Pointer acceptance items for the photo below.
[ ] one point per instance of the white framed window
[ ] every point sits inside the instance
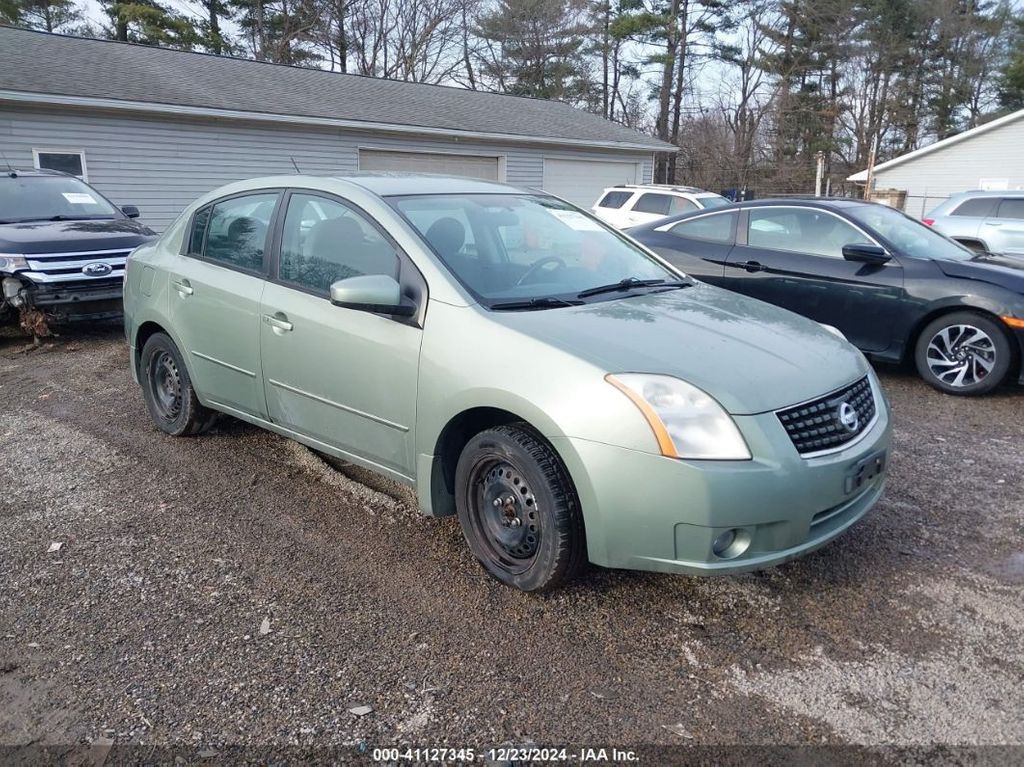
(70, 161)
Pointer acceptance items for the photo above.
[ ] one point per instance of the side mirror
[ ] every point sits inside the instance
(868, 254)
(375, 293)
(130, 210)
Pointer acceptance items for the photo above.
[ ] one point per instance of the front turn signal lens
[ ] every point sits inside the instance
(1014, 322)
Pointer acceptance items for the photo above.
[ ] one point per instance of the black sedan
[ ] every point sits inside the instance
(896, 289)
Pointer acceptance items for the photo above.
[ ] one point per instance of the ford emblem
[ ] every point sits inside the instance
(97, 269)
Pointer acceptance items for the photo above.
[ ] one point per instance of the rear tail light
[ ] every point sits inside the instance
(927, 221)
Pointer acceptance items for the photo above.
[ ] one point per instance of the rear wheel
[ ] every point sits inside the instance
(518, 509)
(963, 353)
(167, 389)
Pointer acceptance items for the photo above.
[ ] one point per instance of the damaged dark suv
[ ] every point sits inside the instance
(63, 248)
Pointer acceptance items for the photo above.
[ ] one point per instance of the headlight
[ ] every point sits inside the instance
(11, 263)
(686, 422)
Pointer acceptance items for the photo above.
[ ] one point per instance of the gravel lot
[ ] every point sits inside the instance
(236, 589)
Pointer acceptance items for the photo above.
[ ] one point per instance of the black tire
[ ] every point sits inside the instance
(533, 539)
(964, 353)
(167, 389)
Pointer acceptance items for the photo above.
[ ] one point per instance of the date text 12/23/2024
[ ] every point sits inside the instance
(503, 754)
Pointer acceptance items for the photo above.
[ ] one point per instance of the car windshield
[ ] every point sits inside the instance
(911, 237)
(50, 198)
(522, 248)
(713, 201)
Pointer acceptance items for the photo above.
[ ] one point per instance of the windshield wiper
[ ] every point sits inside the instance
(632, 282)
(546, 302)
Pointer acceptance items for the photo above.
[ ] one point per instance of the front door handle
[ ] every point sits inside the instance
(993, 223)
(278, 323)
(751, 266)
(183, 288)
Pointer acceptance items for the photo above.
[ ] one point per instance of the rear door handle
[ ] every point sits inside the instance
(993, 223)
(278, 324)
(183, 288)
(751, 266)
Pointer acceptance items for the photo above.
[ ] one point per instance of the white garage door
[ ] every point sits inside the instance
(581, 181)
(473, 166)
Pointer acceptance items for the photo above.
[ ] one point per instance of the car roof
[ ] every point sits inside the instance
(29, 172)
(988, 193)
(661, 188)
(817, 203)
(828, 203)
(390, 184)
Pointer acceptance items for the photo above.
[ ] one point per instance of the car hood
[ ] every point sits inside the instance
(751, 356)
(37, 237)
(1004, 271)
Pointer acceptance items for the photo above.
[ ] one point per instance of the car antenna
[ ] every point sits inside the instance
(10, 168)
(295, 165)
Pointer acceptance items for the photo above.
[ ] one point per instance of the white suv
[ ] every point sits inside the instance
(632, 204)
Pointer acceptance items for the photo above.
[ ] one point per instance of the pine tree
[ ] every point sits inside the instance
(533, 48)
(150, 23)
(45, 15)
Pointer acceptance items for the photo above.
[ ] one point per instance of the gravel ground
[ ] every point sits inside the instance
(235, 589)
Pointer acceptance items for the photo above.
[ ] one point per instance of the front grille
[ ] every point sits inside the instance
(819, 425)
(67, 267)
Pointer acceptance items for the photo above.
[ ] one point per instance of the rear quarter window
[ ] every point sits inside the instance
(719, 227)
(614, 199)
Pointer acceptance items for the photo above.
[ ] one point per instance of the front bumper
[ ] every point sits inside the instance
(647, 512)
(1018, 334)
(74, 301)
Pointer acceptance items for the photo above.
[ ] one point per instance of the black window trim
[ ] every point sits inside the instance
(186, 240)
(410, 278)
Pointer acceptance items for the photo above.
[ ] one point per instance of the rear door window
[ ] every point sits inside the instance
(654, 203)
(1011, 207)
(237, 231)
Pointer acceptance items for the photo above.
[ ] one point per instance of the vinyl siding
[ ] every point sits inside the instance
(928, 180)
(162, 165)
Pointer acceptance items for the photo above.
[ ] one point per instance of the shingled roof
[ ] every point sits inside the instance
(35, 66)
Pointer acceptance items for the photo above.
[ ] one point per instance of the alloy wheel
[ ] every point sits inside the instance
(961, 355)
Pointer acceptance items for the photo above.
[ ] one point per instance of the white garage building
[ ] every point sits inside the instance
(156, 128)
(990, 156)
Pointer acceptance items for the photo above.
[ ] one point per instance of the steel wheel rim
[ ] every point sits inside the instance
(165, 386)
(505, 514)
(961, 355)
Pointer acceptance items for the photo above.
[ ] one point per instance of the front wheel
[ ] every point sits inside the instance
(963, 353)
(519, 510)
(170, 398)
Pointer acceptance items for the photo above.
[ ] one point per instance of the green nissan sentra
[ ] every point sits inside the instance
(568, 394)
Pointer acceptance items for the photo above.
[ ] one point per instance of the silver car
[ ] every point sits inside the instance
(991, 221)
